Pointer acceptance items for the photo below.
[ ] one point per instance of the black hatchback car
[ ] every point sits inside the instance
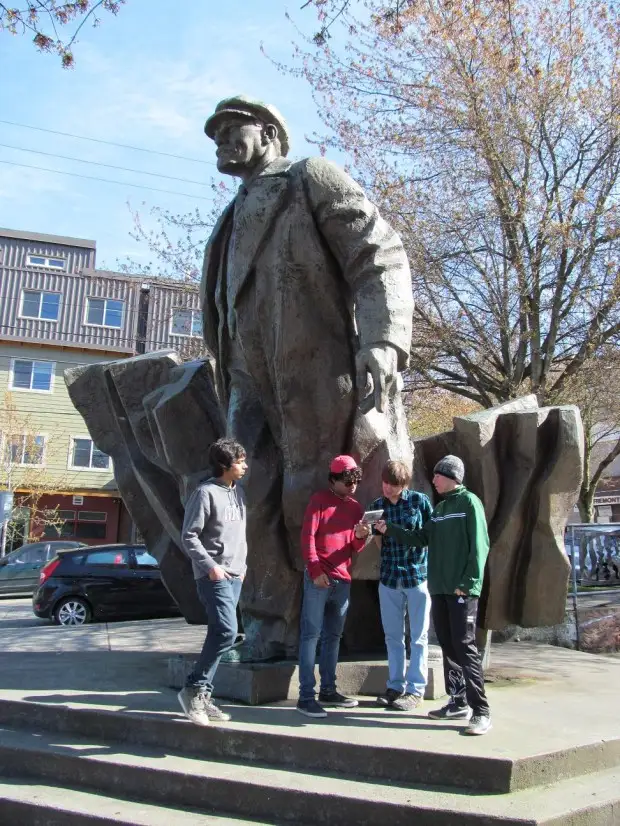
(105, 582)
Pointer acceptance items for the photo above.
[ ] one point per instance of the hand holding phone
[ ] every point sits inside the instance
(370, 517)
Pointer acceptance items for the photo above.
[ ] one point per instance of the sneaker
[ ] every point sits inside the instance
(214, 712)
(192, 702)
(407, 702)
(451, 711)
(334, 698)
(388, 698)
(311, 708)
(479, 724)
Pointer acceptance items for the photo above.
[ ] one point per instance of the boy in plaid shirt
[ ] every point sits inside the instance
(403, 589)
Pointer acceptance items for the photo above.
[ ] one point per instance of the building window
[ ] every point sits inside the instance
(40, 304)
(85, 456)
(24, 449)
(47, 261)
(186, 322)
(32, 375)
(80, 525)
(104, 312)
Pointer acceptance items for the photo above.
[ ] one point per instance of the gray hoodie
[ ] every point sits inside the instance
(214, 528)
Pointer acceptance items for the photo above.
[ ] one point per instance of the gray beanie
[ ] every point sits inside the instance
(451, 467)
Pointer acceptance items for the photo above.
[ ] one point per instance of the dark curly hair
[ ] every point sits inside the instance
(223, 453)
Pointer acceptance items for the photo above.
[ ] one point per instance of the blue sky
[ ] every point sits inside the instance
(147, 78)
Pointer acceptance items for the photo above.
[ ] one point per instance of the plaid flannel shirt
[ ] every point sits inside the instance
(402, 564)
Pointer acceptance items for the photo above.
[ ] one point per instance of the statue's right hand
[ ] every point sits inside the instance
(321, 581)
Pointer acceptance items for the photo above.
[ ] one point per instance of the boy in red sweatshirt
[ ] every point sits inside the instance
(332, 532)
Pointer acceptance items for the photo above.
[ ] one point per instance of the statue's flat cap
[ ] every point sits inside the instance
(249, 108)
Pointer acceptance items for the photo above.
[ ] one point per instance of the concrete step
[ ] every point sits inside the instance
(292, 796)
(27, 803)
(316, 749)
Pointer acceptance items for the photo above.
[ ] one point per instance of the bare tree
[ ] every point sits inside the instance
(431, 411)
(596, 390)
(25, 459)
(54, 25)
(177, 243)
(488, 132)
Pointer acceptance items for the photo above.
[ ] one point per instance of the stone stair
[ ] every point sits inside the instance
(71, 766)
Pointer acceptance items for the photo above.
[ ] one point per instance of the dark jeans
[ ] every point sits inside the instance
(220, 598)
(455, 627)
(323, 613)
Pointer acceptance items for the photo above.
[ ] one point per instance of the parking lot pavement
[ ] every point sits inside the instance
(16, 612)
(20, 630)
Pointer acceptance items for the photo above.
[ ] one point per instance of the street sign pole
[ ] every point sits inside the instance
(6, 508)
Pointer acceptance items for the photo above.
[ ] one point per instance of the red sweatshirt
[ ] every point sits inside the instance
(327, 536)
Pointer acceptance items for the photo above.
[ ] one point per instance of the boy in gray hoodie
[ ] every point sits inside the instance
(214, 539)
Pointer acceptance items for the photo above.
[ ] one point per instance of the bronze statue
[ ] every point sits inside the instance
(306, 292)
(307, 314)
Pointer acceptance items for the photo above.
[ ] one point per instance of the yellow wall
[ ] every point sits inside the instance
(51, 414)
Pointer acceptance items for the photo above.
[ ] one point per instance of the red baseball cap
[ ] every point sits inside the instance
(341, 463)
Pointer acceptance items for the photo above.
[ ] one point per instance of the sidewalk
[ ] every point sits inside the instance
(542, 698)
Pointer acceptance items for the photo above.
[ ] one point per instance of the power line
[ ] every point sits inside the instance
(98, 163)
(108, 143)
(104, 180)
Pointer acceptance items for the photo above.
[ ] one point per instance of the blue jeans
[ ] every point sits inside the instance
(394, 603)
(323, 613)
(220, 598)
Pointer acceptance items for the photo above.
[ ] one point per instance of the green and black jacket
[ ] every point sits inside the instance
(457, 540)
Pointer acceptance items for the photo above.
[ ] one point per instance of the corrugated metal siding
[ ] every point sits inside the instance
(75, 287)
(14, 252)
(162, 301)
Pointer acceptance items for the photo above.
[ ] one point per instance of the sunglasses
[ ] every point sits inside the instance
(350, 477)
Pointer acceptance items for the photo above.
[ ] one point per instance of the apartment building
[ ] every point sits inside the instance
(58, 311)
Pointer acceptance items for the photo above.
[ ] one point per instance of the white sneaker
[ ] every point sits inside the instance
(479, 724)
(192, 701)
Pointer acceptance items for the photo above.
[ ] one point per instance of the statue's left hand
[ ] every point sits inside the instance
(381, 361)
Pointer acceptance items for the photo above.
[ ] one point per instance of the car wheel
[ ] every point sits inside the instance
(72, 611)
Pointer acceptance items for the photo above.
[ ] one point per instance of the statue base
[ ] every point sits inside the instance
(261, 683)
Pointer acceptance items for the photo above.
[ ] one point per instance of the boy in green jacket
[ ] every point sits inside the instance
(458, 546)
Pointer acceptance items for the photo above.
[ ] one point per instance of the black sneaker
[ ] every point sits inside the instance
(334, 698)
(451, 711)
(311, 708)
(408, 702)
(388, 698)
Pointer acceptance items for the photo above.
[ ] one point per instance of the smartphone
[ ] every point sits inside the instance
(370, 517)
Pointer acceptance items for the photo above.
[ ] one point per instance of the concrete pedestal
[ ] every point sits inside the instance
(262, 683)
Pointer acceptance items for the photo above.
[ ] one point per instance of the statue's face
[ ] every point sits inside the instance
(241, 144)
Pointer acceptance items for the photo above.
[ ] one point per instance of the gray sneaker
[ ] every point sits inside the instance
(192, 702)
(479, 724)
(214, 713)
(408, 702)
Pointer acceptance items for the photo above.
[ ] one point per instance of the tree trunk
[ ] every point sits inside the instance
(586, 505)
